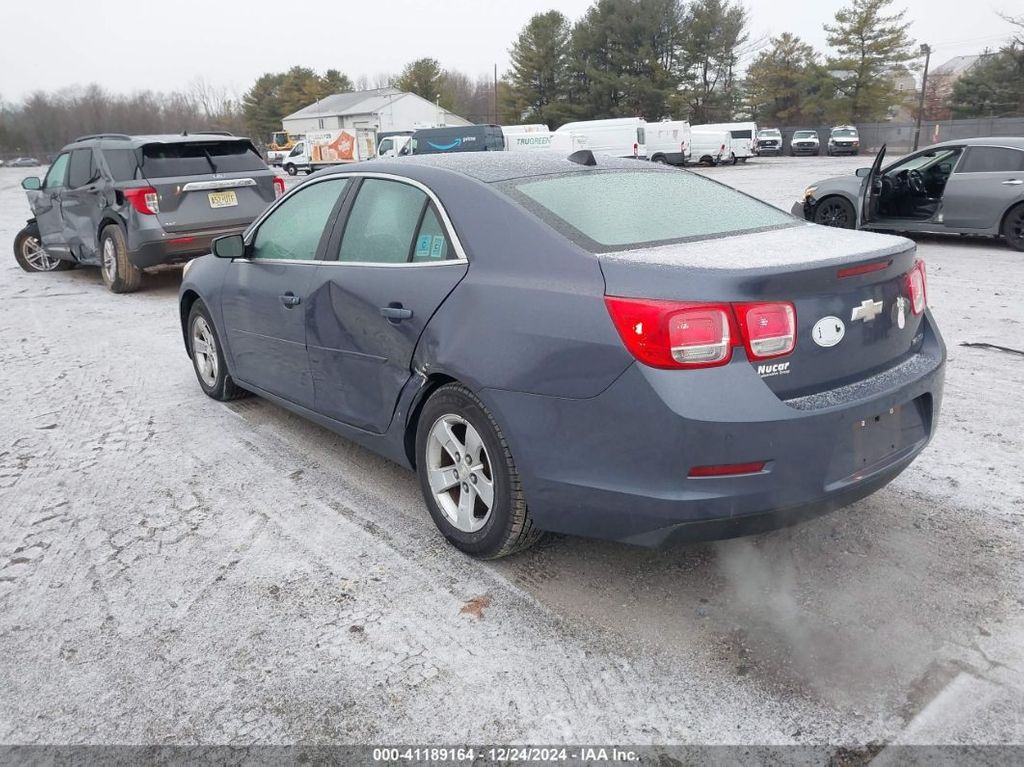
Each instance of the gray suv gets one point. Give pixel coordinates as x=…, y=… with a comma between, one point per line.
x=130, y=203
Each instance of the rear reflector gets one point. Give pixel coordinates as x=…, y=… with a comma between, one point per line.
x=853, y=271
x=917, y=287
x=144, y=199
x=727, y=469
x=181, y=240
x=769, y=329
x=668, y=334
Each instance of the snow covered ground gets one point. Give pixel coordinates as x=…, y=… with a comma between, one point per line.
x=175, y=570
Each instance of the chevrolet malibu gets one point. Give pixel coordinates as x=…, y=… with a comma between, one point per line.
x=574, y=345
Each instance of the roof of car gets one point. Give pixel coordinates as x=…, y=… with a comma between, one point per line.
x=490, y=167
x=1016, y=142
x=116, y=139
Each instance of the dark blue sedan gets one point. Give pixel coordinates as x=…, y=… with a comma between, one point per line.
x=583, y=345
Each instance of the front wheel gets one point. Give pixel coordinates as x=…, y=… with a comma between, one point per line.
x=119, y=274
x=1013, y=228
x=468, y=477
x=208, y=357
x=290, y=169
x=29, y=253
x=836, y=212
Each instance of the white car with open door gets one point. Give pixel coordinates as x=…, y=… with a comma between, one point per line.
x=970, y=186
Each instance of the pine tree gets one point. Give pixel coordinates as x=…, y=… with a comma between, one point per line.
x=713, y=30
x=539, y=77
x=422, y=77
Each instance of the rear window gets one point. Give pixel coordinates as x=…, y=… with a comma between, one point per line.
x=617, y=210
x=742, y=134
x=199, y=158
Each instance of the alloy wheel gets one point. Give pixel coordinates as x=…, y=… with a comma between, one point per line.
x=459, y=473
x=1017, y=229
x=834, y=214
x=33, y=253
x=204, y=351
x=109, y=259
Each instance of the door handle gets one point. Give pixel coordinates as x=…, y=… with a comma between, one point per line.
x=1013, y=182
x=290, y=300
x=395, y=312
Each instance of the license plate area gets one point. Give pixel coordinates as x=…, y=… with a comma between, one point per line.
x=873, y=442
x=227, y=199
x=877, y=436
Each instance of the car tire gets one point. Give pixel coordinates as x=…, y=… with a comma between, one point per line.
x=207, y=355
x=119, y=274
x=29, y=253
x=1013, y=227
x=290, y=169
x=732, y=158
x=835, y=212
x=452, y=419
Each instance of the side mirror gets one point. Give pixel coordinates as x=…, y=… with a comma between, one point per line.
x=32, y=183
x=229, y=246
x=863, y=172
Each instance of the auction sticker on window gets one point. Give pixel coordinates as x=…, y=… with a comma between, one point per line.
x=828, y=331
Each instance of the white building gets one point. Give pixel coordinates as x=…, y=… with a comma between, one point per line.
x=382, y=109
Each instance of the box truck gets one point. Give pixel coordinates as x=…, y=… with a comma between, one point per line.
x=333, y=147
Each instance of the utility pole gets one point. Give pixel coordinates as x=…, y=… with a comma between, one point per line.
x=496, y=93
x=927, y=51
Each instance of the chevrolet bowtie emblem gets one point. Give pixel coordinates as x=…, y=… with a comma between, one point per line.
x=867, y=310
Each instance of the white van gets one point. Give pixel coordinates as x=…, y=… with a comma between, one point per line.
x=510, y=130
x=709, y=146
x=741, y=139
x=619, y=137
x=563, y=143
x=668, y=141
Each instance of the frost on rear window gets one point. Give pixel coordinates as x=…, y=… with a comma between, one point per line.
x=603, y=211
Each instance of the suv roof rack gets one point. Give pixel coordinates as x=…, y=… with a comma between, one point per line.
x=205, y=132
x=118, y=136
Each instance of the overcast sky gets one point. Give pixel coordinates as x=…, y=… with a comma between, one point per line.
x=166, y=46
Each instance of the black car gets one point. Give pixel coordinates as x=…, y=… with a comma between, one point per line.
x=129, y=203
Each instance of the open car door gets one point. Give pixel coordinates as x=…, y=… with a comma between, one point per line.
x=870, y=189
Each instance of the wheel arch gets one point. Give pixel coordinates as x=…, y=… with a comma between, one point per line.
x=1006, y=215
x=187, y=301
x=433, y=382
x=106, y=219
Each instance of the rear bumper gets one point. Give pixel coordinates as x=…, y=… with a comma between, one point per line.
x=175, y=248
x=616, y=466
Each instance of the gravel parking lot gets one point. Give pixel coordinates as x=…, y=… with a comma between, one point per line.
x=175, y=570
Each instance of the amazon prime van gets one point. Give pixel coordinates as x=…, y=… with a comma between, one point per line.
x=466, y=138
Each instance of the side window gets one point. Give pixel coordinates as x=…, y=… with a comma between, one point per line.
x=992, y=159
x=383, y=222
x=81, y=168
x=292, y=232
x=123, y=164
x=431, y=241
x=386, y=146
x=55, y=176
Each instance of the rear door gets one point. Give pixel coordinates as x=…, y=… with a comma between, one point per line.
x=81, y=203
x=386, y=272
x=45, y=204
x=984, y=184
x=264, y=295
x=207, y=184
x=870, y=188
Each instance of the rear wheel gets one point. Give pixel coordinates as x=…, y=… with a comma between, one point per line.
x=660, y=159
x=119, y=274
x=468, y=477
x=29, y=253
x=208, y=358
x=835, y=211
x=1013, y=228
x=732, y=158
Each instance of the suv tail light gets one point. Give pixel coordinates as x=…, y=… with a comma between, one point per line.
x=917, y=287
x=144, y=199
x=769, y=330
x=278, y=186
x=671, y=334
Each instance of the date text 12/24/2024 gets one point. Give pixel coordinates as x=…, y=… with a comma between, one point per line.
x=504, y=754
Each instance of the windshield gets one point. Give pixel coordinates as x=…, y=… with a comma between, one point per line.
x=615, y=210
x=923, y=161
x=769, y=133
x=845, y=133
x=805, y=134
x=197, y=158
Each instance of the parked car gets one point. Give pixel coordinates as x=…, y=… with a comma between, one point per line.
x=24, y=162
x=127, y=203
x=668, y=141
x=570, y=344
x=466, y=138
x=843, y=139
x=741, y=139
x=615, y=137
x=769, y=141
x=709, y=147
x=804, y=142
x=968, y=186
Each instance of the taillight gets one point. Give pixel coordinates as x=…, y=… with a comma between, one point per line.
x=144, y=200
x=768, y=329
x=917, y=287
x=278, y=186
x=636, y=150
x=667, y=334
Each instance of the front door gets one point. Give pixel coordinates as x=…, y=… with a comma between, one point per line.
x=81, y=206
x=384, y=276
x=264, y=294
x=45, y=204
x=871, y=188
x=985, y=183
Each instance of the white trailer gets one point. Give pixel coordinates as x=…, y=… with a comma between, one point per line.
x=741, y=139
x=619, y=137
x=533, y=141
x=333, y=147
x=668, y=141
x=709, y=146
